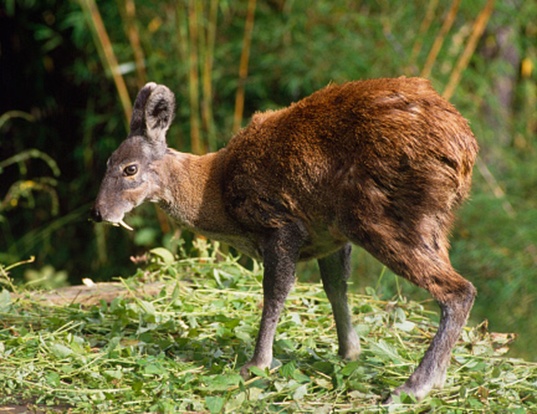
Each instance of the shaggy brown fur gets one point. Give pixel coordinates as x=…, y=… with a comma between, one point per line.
x=379, y=163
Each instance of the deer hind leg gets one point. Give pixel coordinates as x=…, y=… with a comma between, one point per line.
x=455, y=296
x=422, y=258
x=335, y=271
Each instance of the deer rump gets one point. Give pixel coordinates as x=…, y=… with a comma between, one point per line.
x=379, y=163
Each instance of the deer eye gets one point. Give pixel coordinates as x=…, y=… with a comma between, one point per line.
x=130, y=169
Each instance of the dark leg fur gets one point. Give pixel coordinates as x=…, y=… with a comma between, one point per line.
x=280, y=255
x=426, y=263
x=431, y=372
x=335, y=271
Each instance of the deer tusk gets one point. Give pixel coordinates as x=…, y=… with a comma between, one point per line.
x=124, y=225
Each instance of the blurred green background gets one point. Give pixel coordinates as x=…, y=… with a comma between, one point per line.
x=70, y=69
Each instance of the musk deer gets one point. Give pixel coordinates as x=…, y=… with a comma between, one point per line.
x=378, y=163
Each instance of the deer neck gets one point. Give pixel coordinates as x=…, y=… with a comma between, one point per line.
x=190, y=192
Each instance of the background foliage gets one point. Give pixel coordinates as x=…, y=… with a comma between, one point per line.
x=69, y=70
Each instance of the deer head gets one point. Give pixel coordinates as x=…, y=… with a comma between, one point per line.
x=130, y=177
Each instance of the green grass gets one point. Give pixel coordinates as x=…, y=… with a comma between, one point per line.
x=180, y=351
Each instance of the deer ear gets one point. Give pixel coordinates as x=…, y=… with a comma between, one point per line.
x=153, y=113
x=159, y=112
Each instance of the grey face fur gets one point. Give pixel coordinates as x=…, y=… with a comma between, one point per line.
x=130, y=178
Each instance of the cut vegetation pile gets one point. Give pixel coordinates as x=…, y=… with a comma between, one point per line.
x=180, y=350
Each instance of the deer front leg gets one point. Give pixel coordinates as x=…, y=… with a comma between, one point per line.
x=280, y=254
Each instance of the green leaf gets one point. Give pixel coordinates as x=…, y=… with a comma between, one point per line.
x=222, y=382
x=176, y=293
x=258, y=372
x=295, y=317
x=285, y=344
x=61, y=351
x=350, y=368
x=147, y=307
x=300, y=392
x=163, y=254
x=406, y=326
x=385, y=351
x=324, y=366
x=400, y=315
x=154, y=369
x=474, y=403
x=363, y=330
x=337, y=381
x=53, y=379
x=137, y=386
x=235, y=403
x=214, y=404
x=288, y=369
x=113, y=374
x=113, y=343
x=5, y=300
x=300, y=377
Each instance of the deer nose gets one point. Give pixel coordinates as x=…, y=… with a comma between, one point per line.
x=95, y=215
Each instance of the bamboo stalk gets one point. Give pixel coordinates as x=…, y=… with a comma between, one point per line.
x=108, y=57
x=424, y=26
x=181, y=44
x=207, y=110
x=497, y=191
x=440, y=37
x=182, y=33
x=477, y=31
x=243, y=68
x=134, y=40
x=530, y=97
x=193, y=77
